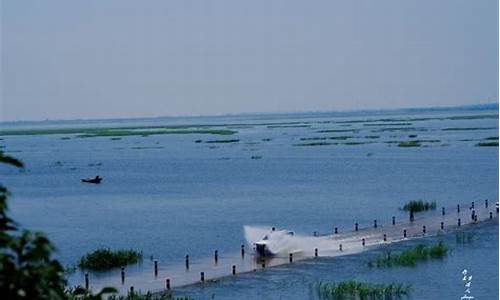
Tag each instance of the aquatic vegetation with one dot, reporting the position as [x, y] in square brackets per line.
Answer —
[409, 258]
[323, 138]
[104, 259]
[487, 144]
[473, 117]
[409, 144]
[119, 131]
[419, 205]
[467, 128]
[155, 132]
[466, 117]
[355, 143]
[399, 129]
[239, 126]
[314, 138]
[222, 141]
[387, 124]
[491, 141]
[352, 289]
[288, 126]
[341, 137]
[316, 144]
[337, 130]
[412, 143]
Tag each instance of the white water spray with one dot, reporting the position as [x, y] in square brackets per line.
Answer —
[282, 244]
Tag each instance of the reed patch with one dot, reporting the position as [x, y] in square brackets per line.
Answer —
[410, 258]
[353, 289]
[105, 259]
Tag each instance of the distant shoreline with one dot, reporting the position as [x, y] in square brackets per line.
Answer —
[326, 113]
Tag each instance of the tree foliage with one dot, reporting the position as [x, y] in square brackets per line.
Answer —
[27, 269]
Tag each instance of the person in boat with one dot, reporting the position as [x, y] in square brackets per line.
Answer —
[96, 179]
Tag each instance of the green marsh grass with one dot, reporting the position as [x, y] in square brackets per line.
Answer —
[410, 258]
[288, 126]
[387, 124]
[222, 141]
[341, 137]
[409, 144]
[474, 117]
[413, 143]
[324, 138]
[419, 205]
[117, 132]
[390, 129]
[487, 144]
[467, 128]
[105, 259]
[337, 130]
[311, 144]
[352, 289]
[356, 143]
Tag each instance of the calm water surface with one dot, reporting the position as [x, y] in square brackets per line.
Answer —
[169, 196]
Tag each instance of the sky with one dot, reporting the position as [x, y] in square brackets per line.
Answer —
[65, 59]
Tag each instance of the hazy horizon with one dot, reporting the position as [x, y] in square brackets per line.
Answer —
[130, 59]
[424, 109]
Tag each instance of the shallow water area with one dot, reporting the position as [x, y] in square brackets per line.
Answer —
[171, 195]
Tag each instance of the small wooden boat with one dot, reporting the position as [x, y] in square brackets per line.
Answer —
[95, 180]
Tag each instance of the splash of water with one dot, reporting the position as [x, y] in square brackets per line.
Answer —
[282, 244]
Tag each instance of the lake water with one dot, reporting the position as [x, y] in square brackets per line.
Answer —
[170, 195]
